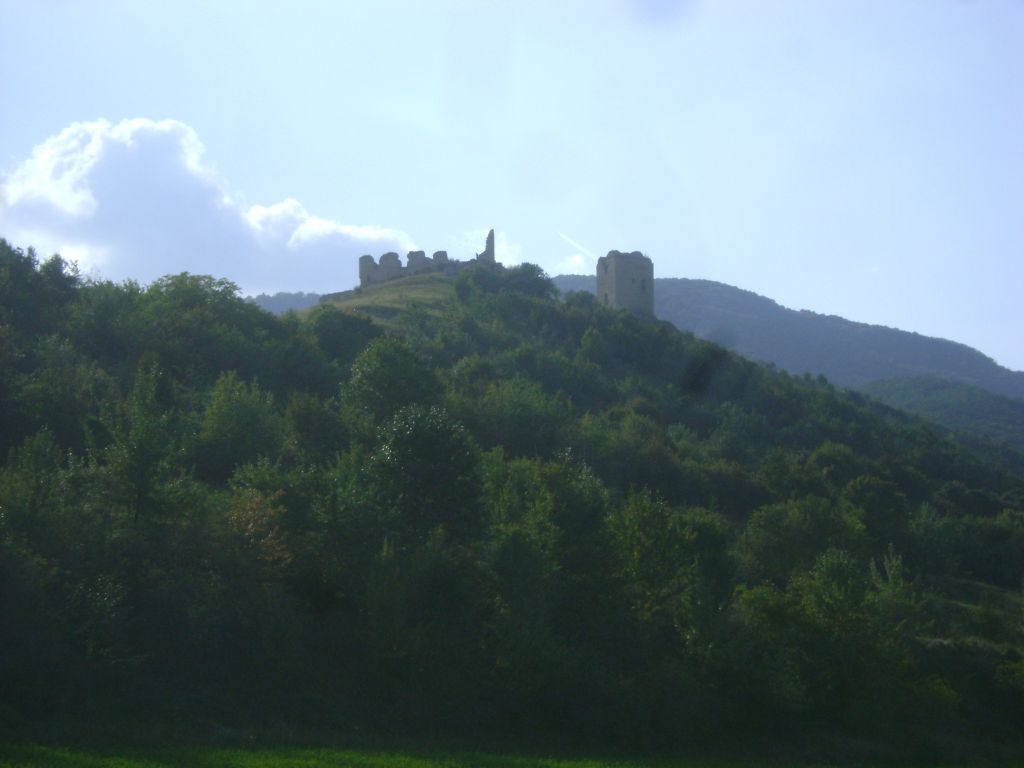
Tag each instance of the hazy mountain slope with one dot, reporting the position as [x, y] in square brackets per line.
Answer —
[281, 302]
[956, 406]
[848, 353]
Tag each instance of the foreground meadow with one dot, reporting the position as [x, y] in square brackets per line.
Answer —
[39, 756]
[36, 756]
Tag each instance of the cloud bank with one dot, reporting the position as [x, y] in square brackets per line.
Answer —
[135, 200]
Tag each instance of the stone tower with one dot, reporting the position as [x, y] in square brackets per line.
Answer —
[626, 281]
[488, 254]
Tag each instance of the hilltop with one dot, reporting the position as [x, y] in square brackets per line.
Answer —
[385, 301]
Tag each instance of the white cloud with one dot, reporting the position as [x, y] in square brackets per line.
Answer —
[276, 222]
[576, 264]
[313, 228]
[136, 200]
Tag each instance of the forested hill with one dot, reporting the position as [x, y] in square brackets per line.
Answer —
[957, 406]
[469, 508]
[849, 354]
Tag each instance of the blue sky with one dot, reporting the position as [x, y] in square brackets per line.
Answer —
[853, 157]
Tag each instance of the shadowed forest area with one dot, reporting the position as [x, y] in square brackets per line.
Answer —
[503, 516]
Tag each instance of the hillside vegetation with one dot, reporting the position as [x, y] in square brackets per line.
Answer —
[948, 383]
[490, 513]
[849, 354]
[956, 406]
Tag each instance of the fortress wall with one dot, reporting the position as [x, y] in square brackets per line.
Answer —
[390, 267]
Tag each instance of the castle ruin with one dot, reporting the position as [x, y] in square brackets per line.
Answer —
[626, 281]
[390, 267]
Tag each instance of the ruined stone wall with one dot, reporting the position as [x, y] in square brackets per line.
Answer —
[390, 266]
[372, 271]
[626, 281]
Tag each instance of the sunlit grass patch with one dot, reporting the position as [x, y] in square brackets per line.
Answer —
[430, 293]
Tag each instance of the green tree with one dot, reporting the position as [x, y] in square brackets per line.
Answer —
[64, 392]
[520, 417]
[198, 327]
[781, 540]
[428, 608]
[426, 468]
[105, 324]
[387, 376]
[315, 426]
[882, 508]
[34, 296]
[142, 446]
[675, 566]
[238, 426]
[341, 335]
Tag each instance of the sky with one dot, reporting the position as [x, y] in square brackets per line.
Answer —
[861, 158]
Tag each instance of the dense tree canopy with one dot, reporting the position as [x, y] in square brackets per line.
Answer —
[520, 515]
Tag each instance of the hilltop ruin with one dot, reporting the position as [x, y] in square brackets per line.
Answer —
[624, 280]
[390, 267]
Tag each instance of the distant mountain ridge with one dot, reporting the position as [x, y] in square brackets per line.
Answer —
[848, 353]
[282, 302]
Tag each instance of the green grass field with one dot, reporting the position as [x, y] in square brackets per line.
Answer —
[37, 756]
[33, 756]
